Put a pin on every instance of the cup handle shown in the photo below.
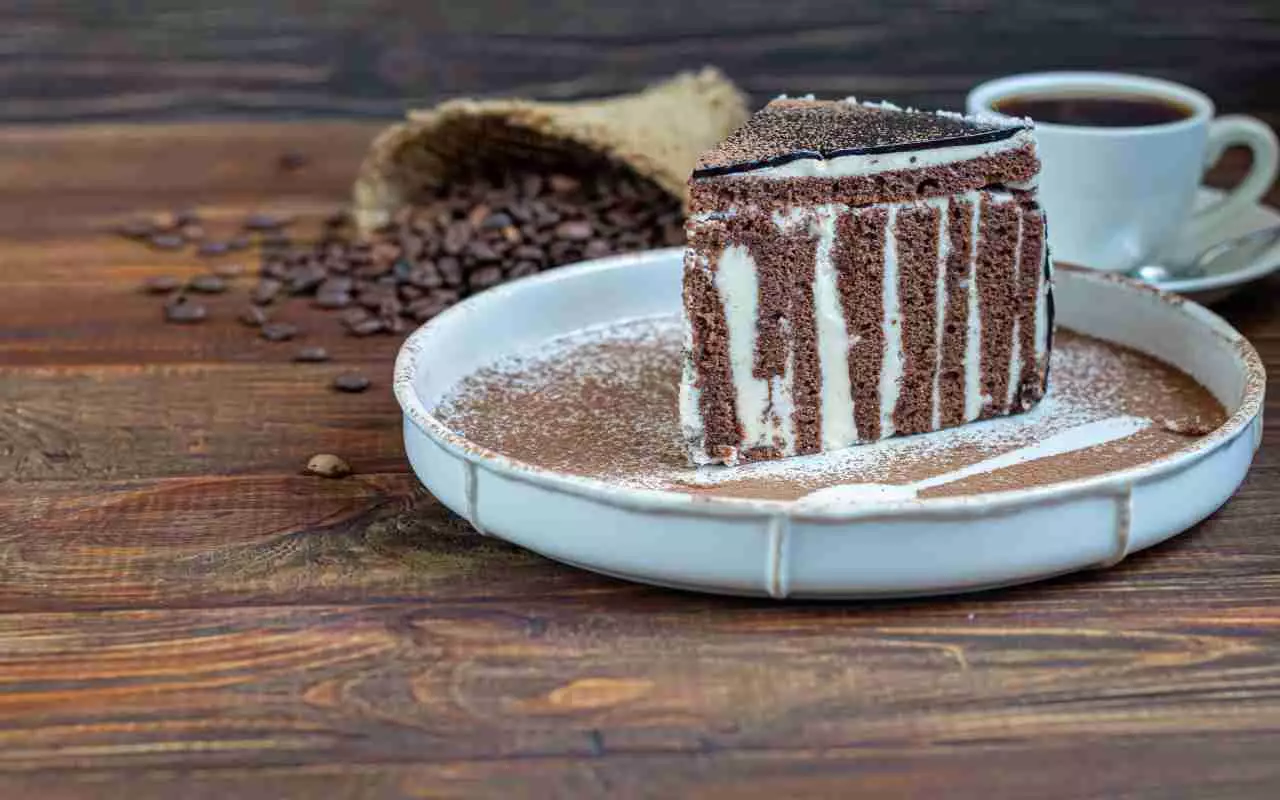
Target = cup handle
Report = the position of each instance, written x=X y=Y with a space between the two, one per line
x=1227 y=131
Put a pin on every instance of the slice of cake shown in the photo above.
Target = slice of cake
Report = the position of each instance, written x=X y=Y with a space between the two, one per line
x=856 y=271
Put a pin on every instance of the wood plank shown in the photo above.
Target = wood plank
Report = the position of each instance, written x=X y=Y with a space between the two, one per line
x=1219 y=766
x=79 y=59
x=440 y=682
x=206 y=541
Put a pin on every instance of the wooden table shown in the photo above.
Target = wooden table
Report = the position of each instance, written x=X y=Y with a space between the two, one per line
x=183 y=614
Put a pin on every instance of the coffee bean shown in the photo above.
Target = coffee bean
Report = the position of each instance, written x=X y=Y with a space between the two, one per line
x=238 y=242
x=183 y=217
x=311 y=355
x=563 y=184
x=167 y=241
x=477 y=215
x=184 y=312
x=253 y=317
x=212 y=249
x=480 y=252
x=191 y=232
x=522 y=269
x=161 y=284
x=427 y=307
x=425 y=276
x=306 y=278
x=496 y=221
x=484 y=278
x=597 y=248
x=279 y=331
x=262 y=221
x=352 y=382
x=292 y=161
x=528 y=252
x=332 y=300
x=456 y=238
x=450 y=271
x=366 y=327
x=327 y=465
x=574 y=231
x=351 y=316
x=207 y=284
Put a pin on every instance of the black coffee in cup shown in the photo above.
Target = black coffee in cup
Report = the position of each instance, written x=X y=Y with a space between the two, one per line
x=1095 y=110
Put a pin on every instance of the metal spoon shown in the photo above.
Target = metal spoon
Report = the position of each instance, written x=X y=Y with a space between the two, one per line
x=1242 y=249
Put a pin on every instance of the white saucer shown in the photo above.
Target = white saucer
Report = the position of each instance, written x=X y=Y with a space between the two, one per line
x=860 y=548
x=1214 y=287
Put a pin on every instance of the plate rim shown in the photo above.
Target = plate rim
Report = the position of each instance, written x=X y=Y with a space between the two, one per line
x=669 y=501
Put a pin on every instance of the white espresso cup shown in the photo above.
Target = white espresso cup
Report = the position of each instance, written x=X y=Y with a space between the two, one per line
x=1117 y=196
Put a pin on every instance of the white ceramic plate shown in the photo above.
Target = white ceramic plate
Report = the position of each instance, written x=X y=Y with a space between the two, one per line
x=773 y=548
x=1218 y=286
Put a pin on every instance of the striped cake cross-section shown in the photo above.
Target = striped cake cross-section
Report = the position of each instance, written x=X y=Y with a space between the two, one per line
x=858 y=271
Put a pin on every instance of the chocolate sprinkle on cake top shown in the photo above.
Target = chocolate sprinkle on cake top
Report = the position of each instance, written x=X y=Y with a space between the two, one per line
x=791 y=129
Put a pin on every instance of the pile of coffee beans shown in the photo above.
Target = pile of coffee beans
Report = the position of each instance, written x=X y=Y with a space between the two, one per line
x=452 y=243
x=465 y=239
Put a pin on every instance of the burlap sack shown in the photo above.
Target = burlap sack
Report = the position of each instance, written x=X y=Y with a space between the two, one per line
x=658 y=132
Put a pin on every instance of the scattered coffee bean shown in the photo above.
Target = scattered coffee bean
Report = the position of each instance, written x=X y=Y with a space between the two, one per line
x=265 y=292
x=279 y=331
x=327 y=465
x=366 y=327
x=183 y=311
x=254 y=317
x=352 y=382
x=191 y=232
x=212 y=248
x=161 y=284
x=167 y=241
x=183 y=217
x=292 y=161
x=207 y=284
x=311 y=355
x=465 y=238
x=261 y=221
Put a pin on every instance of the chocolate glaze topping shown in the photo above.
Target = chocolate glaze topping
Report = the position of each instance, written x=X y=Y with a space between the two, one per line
x=789 y=130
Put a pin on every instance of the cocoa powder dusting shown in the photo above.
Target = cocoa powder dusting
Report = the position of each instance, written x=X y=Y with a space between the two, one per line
x=603 y=404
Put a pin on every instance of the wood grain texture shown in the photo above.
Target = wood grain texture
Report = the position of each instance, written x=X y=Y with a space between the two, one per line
x=184 y=614
x=79 y=59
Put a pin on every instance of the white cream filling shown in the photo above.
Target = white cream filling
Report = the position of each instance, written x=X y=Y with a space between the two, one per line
x=691 y=423
x=973 y=329
x=891 y=366
x=759 y=409
x=854 y=165
x=1015 y=347
x=940 y=316
x=1042 y=303
x=838 y=427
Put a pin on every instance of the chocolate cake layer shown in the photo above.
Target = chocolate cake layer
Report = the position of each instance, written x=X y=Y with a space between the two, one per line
x=938 y=320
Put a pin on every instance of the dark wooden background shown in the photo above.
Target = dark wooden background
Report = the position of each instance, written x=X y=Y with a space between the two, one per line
x=99 y=59
x=183 y=615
